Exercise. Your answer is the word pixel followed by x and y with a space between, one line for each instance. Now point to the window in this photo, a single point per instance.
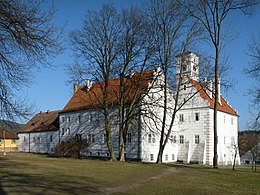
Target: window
pixel 90 117
pixel 151 157
pixel 166 157
pixel 224 139
pixel 197 139
pixel 68 119
pixel 68 131
pixel 78 119
pixel 181 117
pixel 104 138
pixel 50 138
pixel 173 157
pixel 184 67
pixel 185 87
pixel 62 131
pixel 91 138
pixel 181 139
pixel 174 139
pixel 232 121
pixel 171 138
pixel 129 137
pixel 1 141
pixel 224 118
pixel 233 140
pixel 151 138
pixel 197 116
pixel 34 140
pixel 62 119
pixel 39 139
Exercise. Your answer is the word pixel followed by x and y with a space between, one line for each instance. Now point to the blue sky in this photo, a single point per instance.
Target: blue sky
pixel 49 90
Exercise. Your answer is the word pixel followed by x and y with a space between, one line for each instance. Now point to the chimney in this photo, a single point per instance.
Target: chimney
pixel 76 87
pixel 89 84
pixel 219 94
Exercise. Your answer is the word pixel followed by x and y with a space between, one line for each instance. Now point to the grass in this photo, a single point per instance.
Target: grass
pixel 23 173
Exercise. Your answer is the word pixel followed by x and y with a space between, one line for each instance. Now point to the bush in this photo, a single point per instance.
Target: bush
pixel 73 147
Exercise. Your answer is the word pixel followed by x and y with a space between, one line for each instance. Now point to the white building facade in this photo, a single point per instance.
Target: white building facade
pixel 191 140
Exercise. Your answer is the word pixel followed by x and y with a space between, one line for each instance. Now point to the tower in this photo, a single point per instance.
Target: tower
pixel 187 66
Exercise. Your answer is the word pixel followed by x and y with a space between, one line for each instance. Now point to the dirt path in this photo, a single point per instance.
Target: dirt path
pixel 137 183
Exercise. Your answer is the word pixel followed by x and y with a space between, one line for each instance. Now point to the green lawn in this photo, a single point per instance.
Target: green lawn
pixel 22 173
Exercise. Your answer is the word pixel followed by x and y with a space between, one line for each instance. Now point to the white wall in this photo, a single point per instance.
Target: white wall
pixel 38 142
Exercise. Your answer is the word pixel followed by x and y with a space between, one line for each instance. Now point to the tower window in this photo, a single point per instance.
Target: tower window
pixel 197 116
pixel 181 117
pixel 181 139
pixel 185 87
pixel 184 67
pixel 197 139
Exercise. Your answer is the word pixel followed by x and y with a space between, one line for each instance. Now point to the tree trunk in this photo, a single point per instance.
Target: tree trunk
pixel 107 121
pixel 215 158
pixel 234 162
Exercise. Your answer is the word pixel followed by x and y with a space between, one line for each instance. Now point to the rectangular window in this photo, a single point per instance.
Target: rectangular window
pixel 151 138
pixel 50 138
pixel 174 139
pixel 91 138
pixel 34 140
pixel 78 119
pixel 90 117
pixel 62 119
pixel 232 121
pixel 151 157
pixel 181 117
pixel 173 157
pixel 104 138
pixel 62 131
pixel 197 116
pixel 68 119
pixel 166 157
pixel 181 139
pixel 197 139
pixel 39 139
pixel 68 131
pixel 129 137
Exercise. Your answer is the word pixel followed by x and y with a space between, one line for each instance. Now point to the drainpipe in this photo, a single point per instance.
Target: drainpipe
pixel 29 142
pixel 4 142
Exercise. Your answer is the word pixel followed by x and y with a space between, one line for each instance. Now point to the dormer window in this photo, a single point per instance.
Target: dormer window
pixel 184 67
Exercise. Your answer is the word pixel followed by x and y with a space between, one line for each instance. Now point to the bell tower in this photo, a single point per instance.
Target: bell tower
pixel 188 65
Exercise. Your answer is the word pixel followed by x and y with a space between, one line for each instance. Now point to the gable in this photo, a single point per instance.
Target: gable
pixel 223 107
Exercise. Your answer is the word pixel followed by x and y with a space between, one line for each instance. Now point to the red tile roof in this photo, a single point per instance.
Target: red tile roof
pixel 223 107
pixel 43 121
pixel 9 134
pixel 93 98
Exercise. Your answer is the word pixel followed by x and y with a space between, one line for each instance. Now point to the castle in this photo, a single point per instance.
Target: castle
pixel 191 140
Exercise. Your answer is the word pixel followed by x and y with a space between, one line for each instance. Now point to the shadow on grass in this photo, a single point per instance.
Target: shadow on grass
pixel 16 180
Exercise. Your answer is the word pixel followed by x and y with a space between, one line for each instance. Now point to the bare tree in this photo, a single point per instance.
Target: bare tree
pixel 254 71
pixel 135 51
pixel 27 40
pixel 173 32
pixel 212 15
pixel 97 46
